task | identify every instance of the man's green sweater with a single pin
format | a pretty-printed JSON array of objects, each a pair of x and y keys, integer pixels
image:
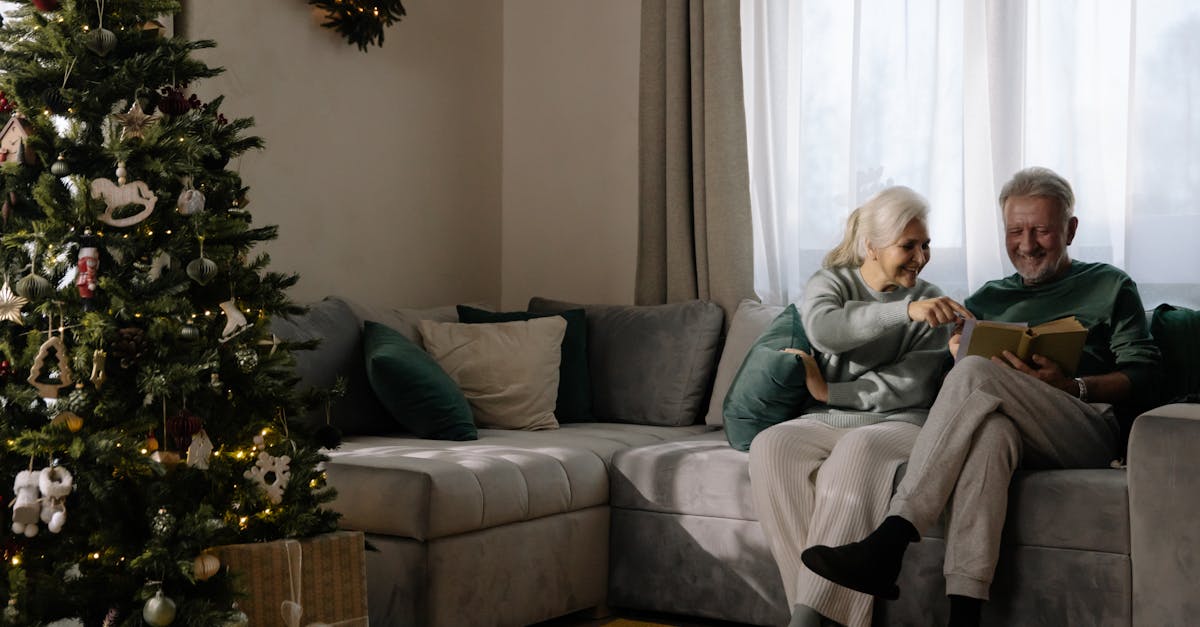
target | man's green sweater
[{"x": 1104, "y": 299}]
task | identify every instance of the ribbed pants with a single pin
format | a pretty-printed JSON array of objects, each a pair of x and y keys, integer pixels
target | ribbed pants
[
  {"x": 987, "y": 420},
  {"x": 817, "y": 484}
]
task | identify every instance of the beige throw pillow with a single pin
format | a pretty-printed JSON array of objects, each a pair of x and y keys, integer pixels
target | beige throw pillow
[{"x": 507, "y": 370}]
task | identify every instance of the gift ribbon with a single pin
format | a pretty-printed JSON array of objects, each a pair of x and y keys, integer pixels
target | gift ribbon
[{"x": 291, "y": 609}]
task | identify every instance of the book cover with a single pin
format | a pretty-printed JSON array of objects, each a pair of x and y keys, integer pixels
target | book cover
[{"x": 1059, "y": 340}]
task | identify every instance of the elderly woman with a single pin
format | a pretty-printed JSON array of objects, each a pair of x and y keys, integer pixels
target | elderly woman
[{"x": 880, "y": 335}]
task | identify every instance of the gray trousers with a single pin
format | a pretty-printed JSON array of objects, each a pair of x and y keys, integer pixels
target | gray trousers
[
  {"x": 988, "y": 420},
  {"x": 817, "y": 484}
]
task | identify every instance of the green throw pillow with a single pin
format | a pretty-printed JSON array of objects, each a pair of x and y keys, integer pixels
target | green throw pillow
[
  {"x": 414, "y": 388},
  {"x": 769, "y": 386},
  {"x": 1176, "y": 330},
  {"x": 574, "y": 402}
]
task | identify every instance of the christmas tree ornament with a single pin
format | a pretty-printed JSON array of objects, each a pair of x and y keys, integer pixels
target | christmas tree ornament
[
  {"x": 119, "y": 194},
  {"x": 189, "y": 333},
  {"x": 53, "y": 101},
  {"x": 174, "y": 102},
  {"x": 101, "y": 40},
  {"x": 191, "y": 201},
  {"x": 238, "y": 619},
  {"x": 162, "y": 261},
  {"x": 168, "y": 459},
  {"x": 271, "y": 474},
  {"x": 6, "y": 369},
  {"x": 6, "y": 105},
  {"x": 99, "y": 360},
  {"x": 163, "y": 522},
  {"x": 11, "y": 304},
  {"x": 26, "y": 508},
  {"x": 56, "y": 483},
  {"x": 235, "y": 321},
  {"x": 50, "y": 387},
  {"x": 87, "y": 275},
  {"x": 247, "y": 358},
  {"x": 34, "y": 286},
  {"x": 110, "y": 619},
  {"x": 180, "y": 428},
  {"x": 60, "y": 168},
  {"x": 151, "y": 444},
  {"x": 46, "y": 5},
  {"x": 159, "y": 610},
  {"x": 69, "y": 419},
  {"x": 202, "y": 270},
  {"x": 14, "y": 141},
  {"x": 199, "y": 451},
  {"x": 135, "y": 122},
  {"x": 129, "y": 345},
  {"x": 205, "y": 566}
]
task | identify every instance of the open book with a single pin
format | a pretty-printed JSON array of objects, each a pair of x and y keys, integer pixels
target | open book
[{"x": 1059, "y": 340}]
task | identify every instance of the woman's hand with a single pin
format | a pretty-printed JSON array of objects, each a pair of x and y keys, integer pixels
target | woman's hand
[
  {"x": 937, "y": 311},
  {"x": 813, "y": 379}
]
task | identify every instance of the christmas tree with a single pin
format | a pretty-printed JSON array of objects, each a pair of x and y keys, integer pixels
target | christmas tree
[{"x": 145, "y": 408}]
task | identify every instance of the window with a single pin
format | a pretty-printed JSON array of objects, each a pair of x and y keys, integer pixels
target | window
[{"x": 952, "y": 97}]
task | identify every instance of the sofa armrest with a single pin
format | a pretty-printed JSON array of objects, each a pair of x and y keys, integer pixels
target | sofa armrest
[{"x": 1164, "y": 512}]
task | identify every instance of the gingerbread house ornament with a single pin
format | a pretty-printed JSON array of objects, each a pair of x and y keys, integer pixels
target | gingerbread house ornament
[{"x": 14, "y": 140}]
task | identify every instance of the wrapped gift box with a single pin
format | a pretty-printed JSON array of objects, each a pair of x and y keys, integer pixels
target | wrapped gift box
[{"x": 295, "y": 583}]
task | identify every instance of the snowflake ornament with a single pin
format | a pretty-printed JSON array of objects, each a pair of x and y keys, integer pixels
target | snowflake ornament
[{"x": 271, "y": 474}]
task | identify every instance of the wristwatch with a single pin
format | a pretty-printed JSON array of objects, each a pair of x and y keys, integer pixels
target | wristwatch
[{"x": 1083, "y": 395}]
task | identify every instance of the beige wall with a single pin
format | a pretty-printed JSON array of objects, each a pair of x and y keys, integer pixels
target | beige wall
[
  {"x": 487, "y": 152},
  {"x": 570, "y": 150}
]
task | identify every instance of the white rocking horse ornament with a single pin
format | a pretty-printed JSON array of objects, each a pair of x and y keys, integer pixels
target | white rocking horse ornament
[{"x": 119, "y": 194}]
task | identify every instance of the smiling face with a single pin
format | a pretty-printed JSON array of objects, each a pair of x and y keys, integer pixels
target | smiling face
[
  {"x": 898, "y": 264},
  {"x": 1036, "y": 236}
]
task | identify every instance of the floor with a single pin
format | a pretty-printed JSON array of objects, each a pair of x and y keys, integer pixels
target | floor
[{"x": 630, "y": 618}]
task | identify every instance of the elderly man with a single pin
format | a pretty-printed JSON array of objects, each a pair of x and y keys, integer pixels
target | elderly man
[{"x": 992, "y": 416}]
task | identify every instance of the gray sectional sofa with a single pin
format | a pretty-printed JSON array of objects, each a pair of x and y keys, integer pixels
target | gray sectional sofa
[{"x": 518, "y": 527}]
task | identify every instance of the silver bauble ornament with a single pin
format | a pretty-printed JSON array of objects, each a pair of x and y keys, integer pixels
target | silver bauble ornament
[
  {"x": 239, "y": 619},
  {"x": 101, "y": 41},
  {"x": 60, "y": 168},
  {"x": 191, "y": 201},
  {"x": 202, "y": 270},
  {"x": 247, "y": 358},
  {"x": 34, "y": 287},
  {"x": 159, "y": 610},
  {"x": 189, "y": 333}
]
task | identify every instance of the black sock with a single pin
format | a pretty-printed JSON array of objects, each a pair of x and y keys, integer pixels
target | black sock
[
  {"x": 964, "y": 611},
  {"x": 895, "y": 530}
]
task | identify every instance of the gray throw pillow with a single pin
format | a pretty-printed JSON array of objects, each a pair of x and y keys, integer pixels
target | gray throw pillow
[
  {"x": 649, "y": 364},
  {"x": 334, "y": 323},
  {"x": 749, "y": 322}
]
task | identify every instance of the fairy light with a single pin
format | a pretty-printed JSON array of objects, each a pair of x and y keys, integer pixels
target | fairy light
[{"x": 16, "y": 560}]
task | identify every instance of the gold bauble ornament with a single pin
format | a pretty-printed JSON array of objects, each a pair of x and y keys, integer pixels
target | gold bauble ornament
[{"x": 206, "y": 565}]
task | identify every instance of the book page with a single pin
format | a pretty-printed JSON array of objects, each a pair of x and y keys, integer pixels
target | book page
[{"x": 988, "y": 338}]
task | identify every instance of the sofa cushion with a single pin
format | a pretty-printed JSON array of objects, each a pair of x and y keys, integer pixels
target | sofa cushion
[
  {"x": 1176, "y": 330},
  {"x": 699, "y": 475},
  {"x": 749, "y": 322},
  {"x": 507, "y": 370},
  {"x": 574, "y": 402},
  {"x": 649, "y": 364},
  {"x": 425, "y": 489},
  {"x": 769, "y": 387},
  {"x": 417, "y": 393},
  {"x": 334, "y": 324}
]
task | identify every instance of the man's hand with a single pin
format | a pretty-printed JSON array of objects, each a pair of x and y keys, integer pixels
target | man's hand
[
  {"x": 1045, "y": 370},
  {"x": 813, "y": 379},
  {"x": 937, "y": 311}
]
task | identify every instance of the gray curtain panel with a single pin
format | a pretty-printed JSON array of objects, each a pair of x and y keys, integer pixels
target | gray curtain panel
[{"x": 695, "y": 237}]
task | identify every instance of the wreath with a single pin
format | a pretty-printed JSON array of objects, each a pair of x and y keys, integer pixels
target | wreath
[{"x": 361, "y": 22}]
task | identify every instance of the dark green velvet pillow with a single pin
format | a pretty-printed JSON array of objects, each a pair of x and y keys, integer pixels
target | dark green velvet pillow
[
  {"x": 574, "y": 402},
  {"x": 1176, "y": 330},
  {"x": 769, "y": 386},
  {"x": 414, "y": 388}
]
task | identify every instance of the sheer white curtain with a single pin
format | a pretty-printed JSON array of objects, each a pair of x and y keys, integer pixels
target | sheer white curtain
[{"x": 950, "y": 98}]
